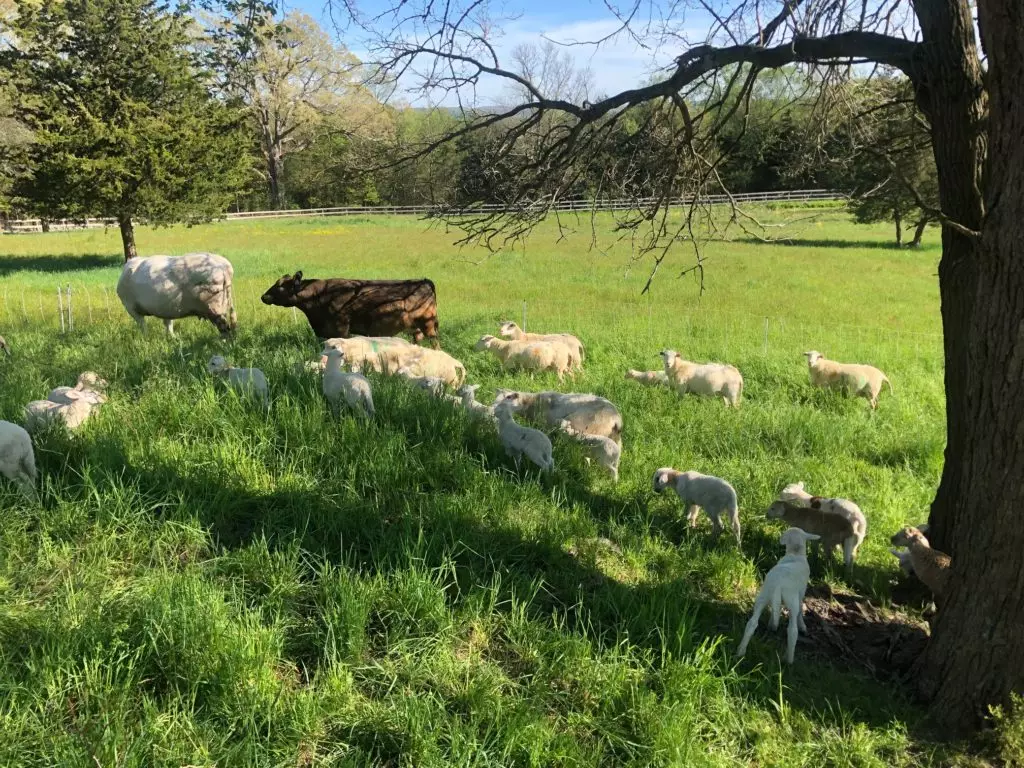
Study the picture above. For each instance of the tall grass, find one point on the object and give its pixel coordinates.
(207, 583)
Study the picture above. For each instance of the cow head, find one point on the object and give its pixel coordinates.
(284, 293)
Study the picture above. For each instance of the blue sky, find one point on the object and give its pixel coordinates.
(617, 64)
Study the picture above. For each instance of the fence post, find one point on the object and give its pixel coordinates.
(524, 315)
(105, 304)
(24, 312)
(766, 336)
(71, 316)
(60, 308)
(88, 303)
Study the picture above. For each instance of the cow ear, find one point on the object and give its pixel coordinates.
(298, 276)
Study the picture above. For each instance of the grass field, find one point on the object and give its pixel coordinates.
(206, 584)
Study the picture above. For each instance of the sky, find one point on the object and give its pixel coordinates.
(617, 64)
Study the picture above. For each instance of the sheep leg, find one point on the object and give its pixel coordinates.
(734, 520)
(759, 605)
(793, 628)
(800, 612)
(773, 624)
(692, 511)
(716, 524)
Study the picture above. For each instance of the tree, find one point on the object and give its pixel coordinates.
(976, 655)
(123, 122)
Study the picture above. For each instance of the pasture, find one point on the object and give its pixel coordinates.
(206, 583)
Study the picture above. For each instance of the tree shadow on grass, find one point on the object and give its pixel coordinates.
(799, 242)
(56, 263)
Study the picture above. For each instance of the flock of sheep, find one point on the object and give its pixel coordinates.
(592, 420)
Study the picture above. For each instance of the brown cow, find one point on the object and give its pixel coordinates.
(337, 307)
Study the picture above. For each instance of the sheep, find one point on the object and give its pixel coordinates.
(509, 330)
(711, 379)
(519, 440)
(529, 355)
(931, 566)
(589, 414)
(795, 494)
(904, 556)
(247, 381)
(88, 382)
(697, 491)
(4, 347)
(833, 529)
(467, 395)
(648, 378)
(306, 367)
(603, 450)
(353, 387)
(852, 378)
(785, 583)
(17, 459)
(423, 362)
(376, 353)
(41, 413)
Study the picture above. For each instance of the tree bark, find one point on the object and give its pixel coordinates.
(899, 226)
(275, 172)
(127, 237)
(919, 229)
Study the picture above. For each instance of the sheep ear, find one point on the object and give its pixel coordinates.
(811, 536)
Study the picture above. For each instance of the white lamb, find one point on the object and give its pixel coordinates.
(795, 494)
(17, 459)
(41, 413)
(648, 378)
(88, 382)
(587, 413)
(510, 330)
(4, 347)
(852, 378)
(375, 353)
(519, 440)
(697, 491)
(529, 355)
(709, 379)
(785, 583)
(245, 381)
(352, 387)
(603, 450)
(420, 362)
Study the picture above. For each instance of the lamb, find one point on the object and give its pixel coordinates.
(519, 440)
(710, 379)
(852, 378)
(589, 414)
(529, 355)
(904, 556)
(306, 367)
(17, 459)
(603, 450)
(794, 493)
(509, 330)
(376, 353)
(785, 583)
(423, 362)
(833, 529)
(467, 395)
(648, 378)
(931, 566)
(39, 414)
(353, 387)
(88, 382)
(246, 381)
(4, 347)
(695, 490)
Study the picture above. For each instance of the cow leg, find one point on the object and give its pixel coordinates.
(169, 326)
(430, 330)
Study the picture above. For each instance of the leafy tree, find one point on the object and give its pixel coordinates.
(123, 121)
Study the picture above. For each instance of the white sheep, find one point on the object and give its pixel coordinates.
(4, 347)
(420, 362)
(930, 565)
(245, 381)
(796, 494)
(648, 378)
(851, 378)
(709, 379)
(467, 398)
(519, 440)
(510, 330)
(88, 382)
(375, 353)
(529, 355)
(353, 387)
(785, 583)
(587, 413)
(903, 555)
(307, 367)
(698, 491)
(603, 450)
(17, 459)
(835, 530)
(41, 413)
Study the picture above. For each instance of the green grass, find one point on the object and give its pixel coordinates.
(205, 583)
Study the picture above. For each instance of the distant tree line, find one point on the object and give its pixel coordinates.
(131, 110)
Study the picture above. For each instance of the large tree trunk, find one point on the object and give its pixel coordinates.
(275, 172)
(898, 218)
(976, 655)
(919, 229)
(127, 237)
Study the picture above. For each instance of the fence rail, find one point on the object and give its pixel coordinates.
(20, 226)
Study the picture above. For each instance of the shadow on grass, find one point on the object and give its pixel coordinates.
(64, 262)
(800, 242)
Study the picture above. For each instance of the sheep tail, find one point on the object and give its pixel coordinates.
(886, 380)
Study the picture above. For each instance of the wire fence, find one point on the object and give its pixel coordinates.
(23, 226)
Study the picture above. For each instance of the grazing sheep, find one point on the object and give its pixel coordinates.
(833, 529)
(353, 387)
(41, 413)
(245, 381)
(931, 566)
(589, 414)
(88, 382)
(794, 493)
(529, 355)
(697, 491)
(710, 379)
(17, 459)
(4, 347)
(467, 395)
(648, 378)
(172, 287)
(519, 440)
(785, 583)
(425, 363)
(851, 378)
(375, 353)
(603, 450)
(509, 330)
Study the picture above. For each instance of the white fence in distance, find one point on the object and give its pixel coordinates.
(22, 226)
